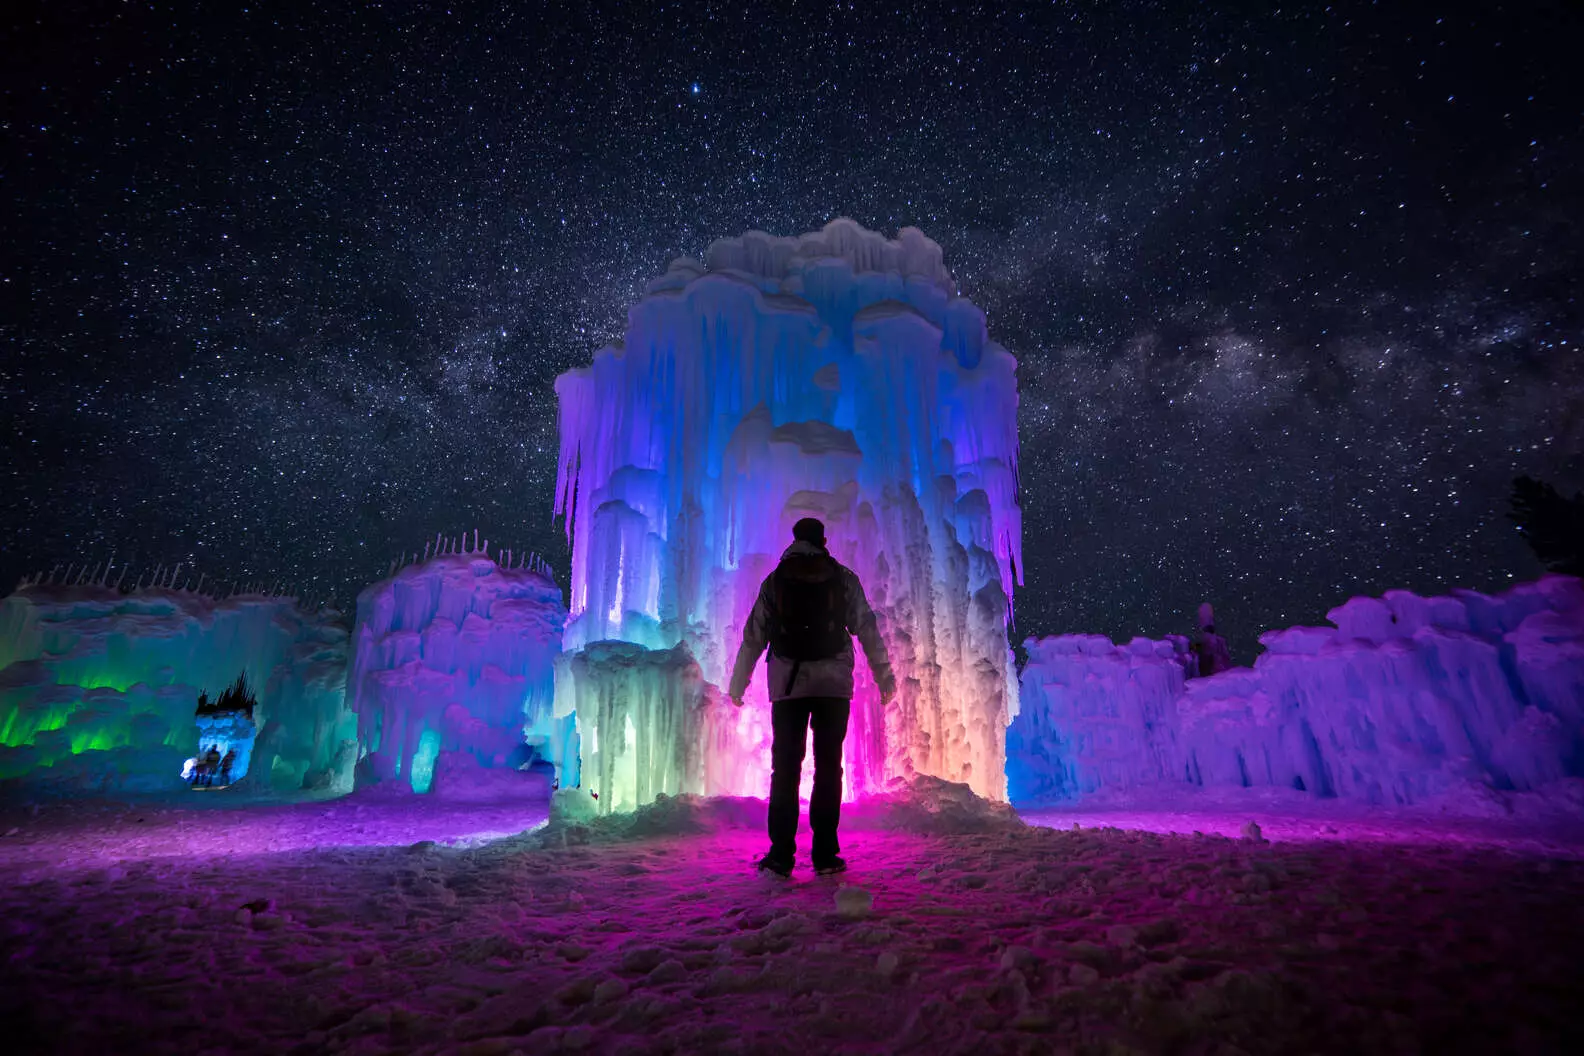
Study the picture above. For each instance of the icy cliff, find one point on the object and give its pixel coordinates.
(456, 654)
(99, 688)
(839, 375)
(1402, 699)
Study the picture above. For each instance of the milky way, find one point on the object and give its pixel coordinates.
(284, 292)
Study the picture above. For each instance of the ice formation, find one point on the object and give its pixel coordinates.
(98, 688)
(456, 654)
(1403, 699)
(837, 375)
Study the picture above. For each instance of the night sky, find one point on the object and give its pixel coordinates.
(283, 292)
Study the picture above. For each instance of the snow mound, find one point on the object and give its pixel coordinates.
(460, 778)
(926, 805)
(929, 805)
(574, 818)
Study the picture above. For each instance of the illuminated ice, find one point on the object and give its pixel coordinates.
(1404, 699)
(835, 375)
(98, 688)
(456, 654)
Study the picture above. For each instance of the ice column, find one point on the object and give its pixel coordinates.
(837, 374)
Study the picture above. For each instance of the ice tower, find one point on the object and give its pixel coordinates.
(836, 374)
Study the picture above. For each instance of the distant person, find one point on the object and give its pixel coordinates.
(807, 611)
(226, 762)
(211, 764)
(1209, 647)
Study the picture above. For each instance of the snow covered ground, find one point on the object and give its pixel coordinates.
(388, 923)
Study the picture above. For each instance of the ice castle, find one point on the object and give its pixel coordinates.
(839, 375)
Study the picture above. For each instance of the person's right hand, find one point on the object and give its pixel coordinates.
(738, 701)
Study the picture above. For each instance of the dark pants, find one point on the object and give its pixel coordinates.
(790, 721)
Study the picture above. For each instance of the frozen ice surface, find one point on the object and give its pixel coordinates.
(456, 654)
(643, 719)
(1405, 700)
(387, 922)
(98, 689)
(836, 374)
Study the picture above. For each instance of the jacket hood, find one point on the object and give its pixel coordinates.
(799, 548)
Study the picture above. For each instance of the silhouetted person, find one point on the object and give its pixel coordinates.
(211, 764)
(807, 611)
(1208, 646)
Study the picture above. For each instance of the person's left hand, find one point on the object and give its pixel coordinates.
(738, 701)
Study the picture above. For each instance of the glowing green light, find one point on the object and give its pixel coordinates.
(21, 725)
(98, 741)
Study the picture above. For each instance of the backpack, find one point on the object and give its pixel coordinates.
(808, 610)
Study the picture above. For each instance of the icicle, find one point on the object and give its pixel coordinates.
(437, 545)
(93, 576)
(426, 551)
(51, 578)
(475, 540)
(174, 573)
(124, 569)
(108, 566)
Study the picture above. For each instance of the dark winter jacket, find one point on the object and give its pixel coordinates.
(831, 677)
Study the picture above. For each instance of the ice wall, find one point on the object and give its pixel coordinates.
(98, 688)
(456, 654)
(838, 375)
(1402, 699)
